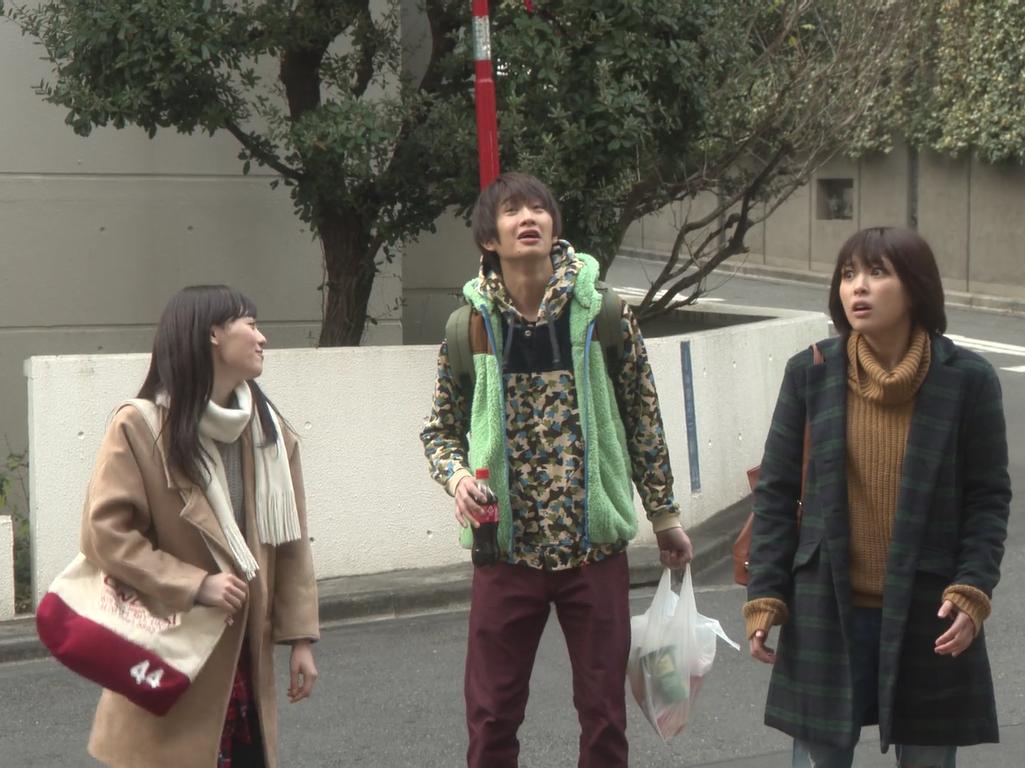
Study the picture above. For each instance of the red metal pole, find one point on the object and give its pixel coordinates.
(484, 92)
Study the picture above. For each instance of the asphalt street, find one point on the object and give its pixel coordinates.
(390, 691)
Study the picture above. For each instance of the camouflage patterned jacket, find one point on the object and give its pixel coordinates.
(562, 505)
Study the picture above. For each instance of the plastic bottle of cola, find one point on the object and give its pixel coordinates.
(485, 537)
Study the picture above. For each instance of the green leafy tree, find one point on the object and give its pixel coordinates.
(623, 107)
(311, 89)
(724, 107)
(962, 84)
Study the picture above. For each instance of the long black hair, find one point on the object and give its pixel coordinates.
(182, 366)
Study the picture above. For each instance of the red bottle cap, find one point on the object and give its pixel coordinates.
(483, 474)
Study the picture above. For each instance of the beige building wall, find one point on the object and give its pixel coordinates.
(996, 231)
(943, 203)
(434, 269)
(96, 233)
(788, 232)
(971, 213)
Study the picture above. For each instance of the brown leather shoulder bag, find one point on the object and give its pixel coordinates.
(742, 546)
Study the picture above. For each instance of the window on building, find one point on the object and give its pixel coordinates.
(835, 199)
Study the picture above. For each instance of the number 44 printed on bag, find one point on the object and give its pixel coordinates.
(141, 674)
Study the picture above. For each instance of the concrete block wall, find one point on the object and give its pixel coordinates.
(970, 212)
(359, 411)
(6, 567)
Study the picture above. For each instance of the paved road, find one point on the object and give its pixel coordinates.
(390, 691)
(390, 694)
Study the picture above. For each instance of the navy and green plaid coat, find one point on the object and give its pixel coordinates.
(950, 526)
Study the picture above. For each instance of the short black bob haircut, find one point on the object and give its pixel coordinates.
(517, 188)
(915, 264)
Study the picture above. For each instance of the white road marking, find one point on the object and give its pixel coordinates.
(642, 292)
(1015, 369)
(994, 347)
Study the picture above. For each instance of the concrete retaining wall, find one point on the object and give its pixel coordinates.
(6, 567)
(359, 411)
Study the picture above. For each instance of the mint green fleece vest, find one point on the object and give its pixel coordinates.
(609, 510)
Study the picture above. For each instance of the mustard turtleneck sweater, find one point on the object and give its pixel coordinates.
(879, 408)
(880, 405)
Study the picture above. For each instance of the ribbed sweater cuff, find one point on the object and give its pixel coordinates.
(969, 600)
(763, 613)
(453, 482)
(665, 520)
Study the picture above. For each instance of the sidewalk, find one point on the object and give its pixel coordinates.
(422, 590)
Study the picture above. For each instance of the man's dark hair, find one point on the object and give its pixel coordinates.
(517, 188)
(915, 264)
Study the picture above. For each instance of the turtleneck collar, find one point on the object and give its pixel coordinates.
(867, 377)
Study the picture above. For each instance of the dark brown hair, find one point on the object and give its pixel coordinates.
(915, 264)
(517, 188)
(182, 366)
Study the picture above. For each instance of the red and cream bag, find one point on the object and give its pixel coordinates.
(102, 630)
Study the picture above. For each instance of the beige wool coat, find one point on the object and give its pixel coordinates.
(145, 525)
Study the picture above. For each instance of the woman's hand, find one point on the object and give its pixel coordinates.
(955, 640)
(223, 590)
(468, 501)
(759, 649)
(302, 671)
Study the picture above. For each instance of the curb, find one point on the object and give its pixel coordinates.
(394, 594)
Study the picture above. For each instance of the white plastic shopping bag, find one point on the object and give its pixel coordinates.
(671, 650)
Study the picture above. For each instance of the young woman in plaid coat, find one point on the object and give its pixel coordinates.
(883, 586)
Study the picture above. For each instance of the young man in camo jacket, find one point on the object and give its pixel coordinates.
(562, 435)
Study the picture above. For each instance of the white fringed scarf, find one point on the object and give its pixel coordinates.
(277, 519)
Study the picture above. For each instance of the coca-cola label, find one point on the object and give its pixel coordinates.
(489, 513)
(489, 509)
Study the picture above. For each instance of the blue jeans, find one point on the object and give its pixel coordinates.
(865, 689)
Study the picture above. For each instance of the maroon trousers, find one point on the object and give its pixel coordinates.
(508, 610)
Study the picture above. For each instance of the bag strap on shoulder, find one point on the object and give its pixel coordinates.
(465, 336)
(816, 356)
(148, 409)
(460, 356)
(608, 328)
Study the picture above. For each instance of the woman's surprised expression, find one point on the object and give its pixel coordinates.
(874, 298)
(237, 348)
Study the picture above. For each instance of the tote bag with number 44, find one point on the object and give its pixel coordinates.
(106, 632)
(100, 629)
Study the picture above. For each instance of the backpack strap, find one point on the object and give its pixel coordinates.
(608, 327)
(465, 337)
(457, 339)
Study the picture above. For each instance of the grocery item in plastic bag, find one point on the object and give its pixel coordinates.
(672, 648)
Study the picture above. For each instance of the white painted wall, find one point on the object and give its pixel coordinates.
(6, 567)
(359, 411)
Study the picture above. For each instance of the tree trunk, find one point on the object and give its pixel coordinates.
(350, 277)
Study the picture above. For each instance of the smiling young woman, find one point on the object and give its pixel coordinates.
(223, 476)
(905, 506)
